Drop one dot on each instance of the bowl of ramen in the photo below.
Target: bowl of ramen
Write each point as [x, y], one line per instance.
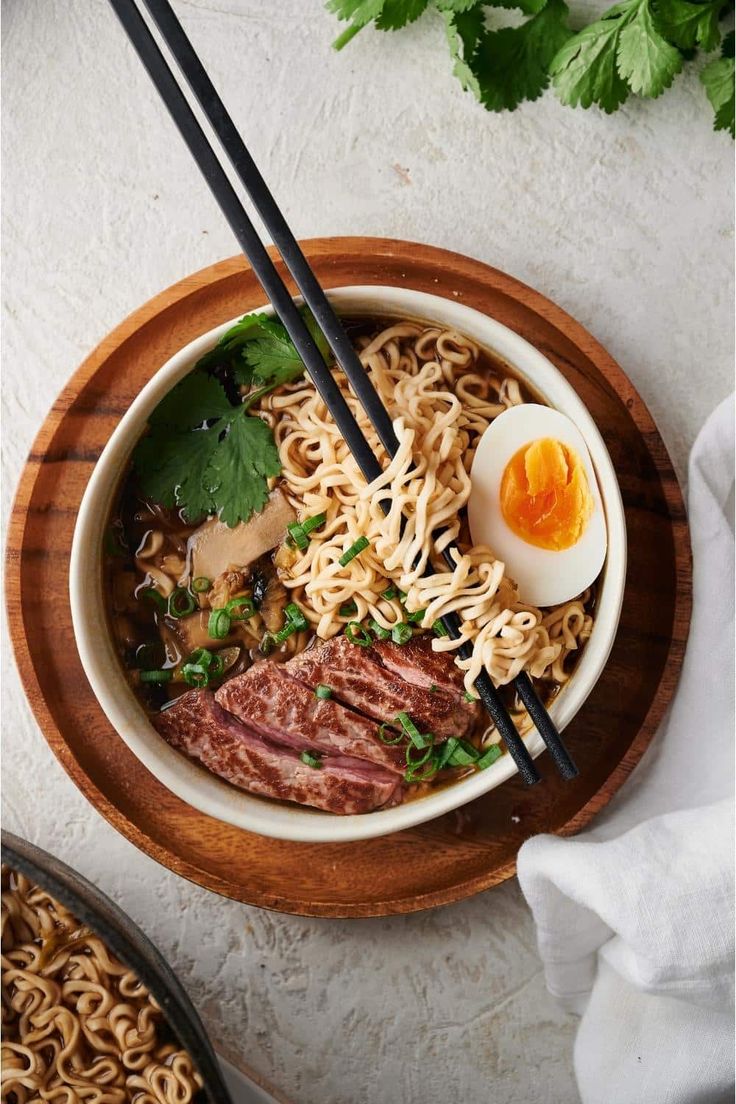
[91, 1010]
[264, 629]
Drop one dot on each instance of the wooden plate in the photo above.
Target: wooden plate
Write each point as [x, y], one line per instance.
[449, 858]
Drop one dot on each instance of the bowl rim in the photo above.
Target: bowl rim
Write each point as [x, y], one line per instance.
[194, 784]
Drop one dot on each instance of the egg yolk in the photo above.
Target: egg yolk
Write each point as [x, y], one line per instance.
[545, 497]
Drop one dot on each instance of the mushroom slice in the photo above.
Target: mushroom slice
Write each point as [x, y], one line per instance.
[214, 547]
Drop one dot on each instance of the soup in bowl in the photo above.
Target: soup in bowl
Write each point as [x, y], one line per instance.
[265, 630]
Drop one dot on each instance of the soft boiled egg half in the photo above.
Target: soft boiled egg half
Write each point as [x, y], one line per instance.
[535, 502]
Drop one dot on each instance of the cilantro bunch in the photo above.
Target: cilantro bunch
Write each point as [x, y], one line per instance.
[637, 46]
[205, 452]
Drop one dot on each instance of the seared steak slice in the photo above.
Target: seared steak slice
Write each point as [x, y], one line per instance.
[197, 725]
[418, 664]
[287, 712]
[358, 678]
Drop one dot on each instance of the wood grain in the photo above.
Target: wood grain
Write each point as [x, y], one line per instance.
[452, 857]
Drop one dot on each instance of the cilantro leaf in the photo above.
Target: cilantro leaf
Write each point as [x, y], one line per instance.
[193, 400]
[460, 6]
[645, 60]
[397, 13]
[718, 79]
[464, 29]
[271, 358]
[585, 70]
[172, 468]
[239, 467]
[389, 15]
[512, 64]
[687, 24]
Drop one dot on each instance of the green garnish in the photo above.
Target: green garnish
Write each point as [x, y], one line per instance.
[218, 624]
[637, 46]
[445, 751]
[394, 737]
[401, 633]
[468, 697]
[378, 630]
[434, 689]
[438, 628]
[205, 455]
[156, 676]
[463, 755]
[411, 730]
[311, 523]
[348, 609]
[201, 584]
[322, 692]
[356, 634]
[297, 535]
[311, 760]
[241, 609]
[354, 550]
[295, 616]
[202, 668]
[151, 594]
[489, 756]
[181, 603]
[392, 592]
[416, 617]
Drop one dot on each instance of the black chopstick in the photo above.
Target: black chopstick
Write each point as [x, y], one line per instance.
[282, 302]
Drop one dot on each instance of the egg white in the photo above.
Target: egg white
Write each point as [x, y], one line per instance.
[544, 577]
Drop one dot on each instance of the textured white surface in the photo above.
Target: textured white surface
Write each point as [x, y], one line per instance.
[626, 222]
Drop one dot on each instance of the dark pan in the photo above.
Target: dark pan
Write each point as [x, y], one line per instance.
[127, 941]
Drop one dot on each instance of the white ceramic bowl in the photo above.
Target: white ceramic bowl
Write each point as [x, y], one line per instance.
[206, 791]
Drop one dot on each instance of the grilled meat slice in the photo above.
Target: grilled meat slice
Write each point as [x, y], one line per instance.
[358, 678]
[198, 726]
[286, 711]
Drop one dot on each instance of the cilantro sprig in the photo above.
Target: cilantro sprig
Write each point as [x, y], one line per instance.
[636, 47]
[205, 452]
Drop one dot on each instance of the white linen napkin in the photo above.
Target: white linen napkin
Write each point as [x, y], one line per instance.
[635, 918]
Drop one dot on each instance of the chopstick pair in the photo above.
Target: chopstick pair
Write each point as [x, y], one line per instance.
[278, 295]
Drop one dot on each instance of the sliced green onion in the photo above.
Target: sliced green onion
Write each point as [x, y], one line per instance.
[151, 594]
[445, 752]
[322, 692]
[356, 634]
[489, 756]
[434, 689]
[412, 731]
[295, 616]
[378, 630]
[240, 609]
[421, 772]
[354, 550]
[181, 603]
[194, 674]
[201, 584]
[416, 617]
[311, 523]
[311, 760]
[390, 593]
[298, 536]
[468, 697]
[203, 657]
[348, 609]
[401, 633]
[156, 676]
[402, 595]
[284, 633]
[268, 640]
[414, 760]
[394, 738]
[464, 755]
[218, 624]
[439, 629]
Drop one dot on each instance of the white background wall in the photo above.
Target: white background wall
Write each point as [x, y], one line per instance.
[624, 221]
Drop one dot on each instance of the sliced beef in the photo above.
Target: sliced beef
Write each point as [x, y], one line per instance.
[417, 663]
[197, 725]
[359, 678]
[286, 711]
